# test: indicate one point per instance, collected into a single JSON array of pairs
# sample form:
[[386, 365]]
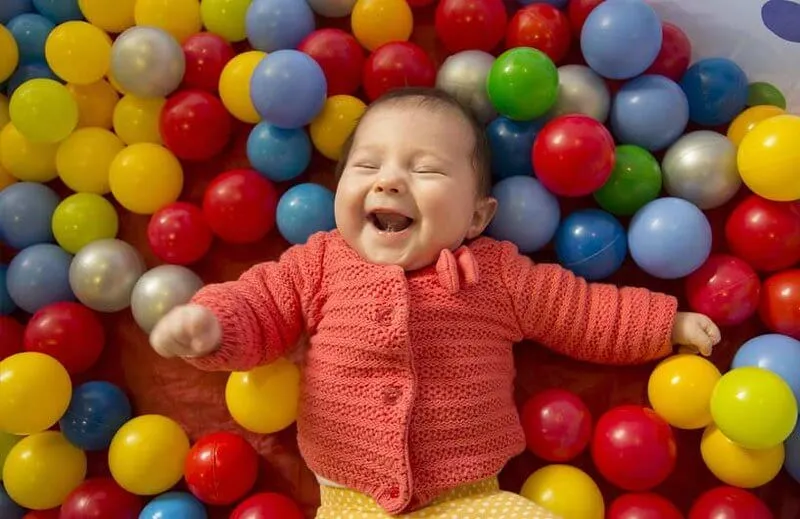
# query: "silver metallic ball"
[[581, 91], [103, 273], [160, 290], [701, 167], [332, 8], [463, 75], [147, 62]]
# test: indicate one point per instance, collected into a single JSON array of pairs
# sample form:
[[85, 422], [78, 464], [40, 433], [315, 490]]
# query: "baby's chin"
[[402, 257]]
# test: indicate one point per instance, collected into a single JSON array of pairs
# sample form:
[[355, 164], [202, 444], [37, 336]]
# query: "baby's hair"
[[434, 98]]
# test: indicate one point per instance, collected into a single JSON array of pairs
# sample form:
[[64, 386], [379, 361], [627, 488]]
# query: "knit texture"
[[407, 387]]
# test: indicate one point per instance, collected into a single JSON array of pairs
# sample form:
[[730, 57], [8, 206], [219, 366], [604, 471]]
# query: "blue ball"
[[174, 504], [621, 38], [774, 352], [11, 8], [7, 304], [26, 212], [669, 238], [39, 276], [716, 89], [792, 462], [35, 70], [96, 412], [650, 111], [278, 24], [527, 213], [303, 210], [30, 30], [59, 11], [511, 143], [279, 154], [8, 508], [288, 88], [591, 243]]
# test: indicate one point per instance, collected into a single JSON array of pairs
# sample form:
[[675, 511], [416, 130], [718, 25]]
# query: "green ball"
[[765, 94], [634, 181], [522, 84]]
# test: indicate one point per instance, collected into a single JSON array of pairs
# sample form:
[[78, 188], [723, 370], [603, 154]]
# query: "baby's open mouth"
[[390, 222]]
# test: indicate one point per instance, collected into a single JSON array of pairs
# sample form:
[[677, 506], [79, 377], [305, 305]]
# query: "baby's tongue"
[[392, 222]]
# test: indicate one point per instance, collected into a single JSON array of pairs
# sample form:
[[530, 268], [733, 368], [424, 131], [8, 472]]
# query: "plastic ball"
[[621, 39], [779, 307], [726, 502], [179, 18], [634, 181], [669, 238], [649, 111], [580, 91], [765, 155], [565, 490], [159, 290], [278, 24], [83, 218], [266, 505], [234, 85], [557, 425], [97, 498], [59, 11], [147, 61], [264, 399], [39, 276], [240, 206], [340, 56], [26, 209], [471, 24], [11, 8], [103, 273], [277, 153], [591, 243], [397, 64], [96, 412], [633, 448], [335, 123], [511, 143], [144, 177], [763, 93], [10, 53], [716, 89], [83, 159], [30, 32], [78, 52], [725, 288], [463, 75], [113, 18], [774, 352], [303, 210], [573, 155], [675, 55], [520, 200], [764, 233], [679, 390], [221, 468], [138, 120], [195, 125], [43, 110], [522, 84], [376, 22], [96, 102], [736, 465], [226, 18], [147, 454], [174, 504], [543, 27], [206, 55], [11, 331], [748, 120], [643, 505], [42, 469], [179, 234]]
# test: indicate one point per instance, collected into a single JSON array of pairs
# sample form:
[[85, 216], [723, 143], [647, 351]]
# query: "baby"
[[407, 403]]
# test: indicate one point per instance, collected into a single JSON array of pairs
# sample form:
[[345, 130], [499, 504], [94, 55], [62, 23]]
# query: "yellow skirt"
[[481, 500]]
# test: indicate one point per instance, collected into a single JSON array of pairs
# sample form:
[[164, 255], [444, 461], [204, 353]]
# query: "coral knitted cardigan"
[[408, 380]]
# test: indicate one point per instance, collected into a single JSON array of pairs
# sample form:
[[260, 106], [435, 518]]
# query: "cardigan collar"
[[455, 268]]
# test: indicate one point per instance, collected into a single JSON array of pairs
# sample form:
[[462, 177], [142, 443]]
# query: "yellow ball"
[[334, 124], [234, 85], [147, 454], [9, 53], [34, 392], [96, 104], [566, 491], [137, 120], [737, 466], [78, 52], [43, 110], [376, 22], [27, 160], [83, 218], [768, 157], [680, 389], [145, 177], [41, 470], [180, 18], [264, 400], [5, 117], [225, 18], [7, 441], [84, 159], [748, 120], [112, 17]]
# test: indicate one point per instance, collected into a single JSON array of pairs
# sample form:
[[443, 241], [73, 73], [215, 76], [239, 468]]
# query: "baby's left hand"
[[696, 332]]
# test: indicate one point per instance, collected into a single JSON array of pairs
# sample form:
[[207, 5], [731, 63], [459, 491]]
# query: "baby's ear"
[[484, 212]]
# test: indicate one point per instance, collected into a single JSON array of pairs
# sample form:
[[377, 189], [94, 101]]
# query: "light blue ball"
[[278, 24], [527, 213], [774, 352], [26, 213], [279, 154], [30, 31], [39, 276], [59, 11], [303, 210], [174, 505]]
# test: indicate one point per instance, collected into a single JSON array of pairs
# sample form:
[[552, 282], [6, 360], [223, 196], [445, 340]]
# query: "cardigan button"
[[390, 395], [381, 314]]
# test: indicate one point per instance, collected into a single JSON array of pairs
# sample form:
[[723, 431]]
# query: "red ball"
[[633, 448], [578, 11], [725, 288], [221, 468], [779, 307], [52, 513], [764, 233], [267, 505], [470, 24], [195, 125], [100, 498], [573, 155], [179, 234], [557, 425], [69, 332], [643, 506], [240, 206], [206, 55], [11, 336], [675, 54], [397, 64], [542, 27], [729, 503], [339, 55]]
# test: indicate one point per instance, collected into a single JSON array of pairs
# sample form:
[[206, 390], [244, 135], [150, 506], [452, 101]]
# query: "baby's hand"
[[695, 332], [186, 331]]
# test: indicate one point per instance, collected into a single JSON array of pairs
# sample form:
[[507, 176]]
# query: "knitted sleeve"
[[263, 313], [588, 321]]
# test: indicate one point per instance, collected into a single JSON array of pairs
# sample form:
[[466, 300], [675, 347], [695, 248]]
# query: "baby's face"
[[408, 189]]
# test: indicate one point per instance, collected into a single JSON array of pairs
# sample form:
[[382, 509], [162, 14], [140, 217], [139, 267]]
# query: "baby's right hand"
[[187, 331]]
